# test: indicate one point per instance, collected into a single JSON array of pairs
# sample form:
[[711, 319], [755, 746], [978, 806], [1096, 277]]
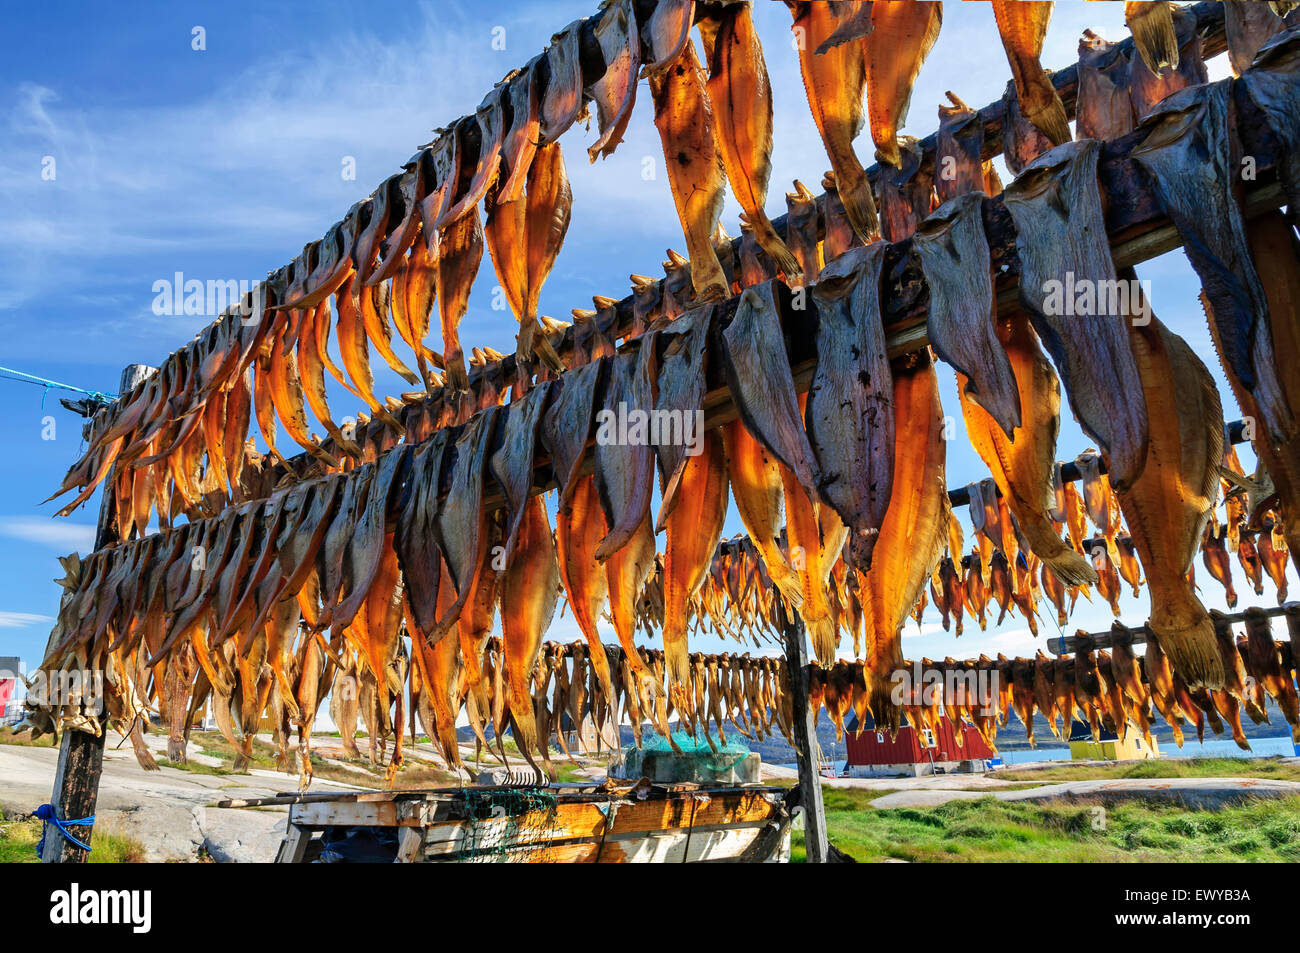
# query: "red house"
[[871, 753]]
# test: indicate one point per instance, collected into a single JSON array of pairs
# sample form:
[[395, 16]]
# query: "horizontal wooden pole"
[[1082, 641]]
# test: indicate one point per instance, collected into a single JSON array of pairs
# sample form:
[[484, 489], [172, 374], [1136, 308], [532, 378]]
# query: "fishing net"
[[510, 825], [727, 755]]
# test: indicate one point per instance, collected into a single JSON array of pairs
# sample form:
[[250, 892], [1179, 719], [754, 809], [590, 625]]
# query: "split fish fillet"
[[626, 572], [693, 528], [624, 463], [461, 523], [562, 99], [460, 250], [528, 594], [369, 541], [287, 396], [1215, 557], [959, 166], [758, 372], [682, 388], [1055, 590], [741, 95], [850, 412], [490, 119], [1248, 556], [755, 478], [1103, 110], [1248, 26], [1152, 26], [567, 428], [835, 81], [906, 192], [1061, 238], [665, 32], [437, 664], [1271, 86], [311, 366], [615, 91], [684, 118], [1023, 28], [415, 537], [1148, 86], [801, 229], [1022, 463], [954, 253], [355, 351], [912, 537], [521, 139], [524, 237], [512, 464], [815, 537], [1168, 506], [579, 528], [839, 234], [1187, 154], [1022, 142], [903, 33]]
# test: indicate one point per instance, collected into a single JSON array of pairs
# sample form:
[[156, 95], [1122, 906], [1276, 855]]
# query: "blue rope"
[[48, 384], [45, 813]]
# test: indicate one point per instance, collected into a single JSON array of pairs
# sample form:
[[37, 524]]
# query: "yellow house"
[[1109, 748]]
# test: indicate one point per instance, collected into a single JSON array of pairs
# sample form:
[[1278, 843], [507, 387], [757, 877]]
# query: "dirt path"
[[167, 811]]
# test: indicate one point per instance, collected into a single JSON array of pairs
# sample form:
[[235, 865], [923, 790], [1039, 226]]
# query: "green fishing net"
[[507, 824], [726, 756]]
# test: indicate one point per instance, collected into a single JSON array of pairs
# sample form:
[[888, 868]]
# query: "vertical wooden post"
[[805, 743], [81, 755]]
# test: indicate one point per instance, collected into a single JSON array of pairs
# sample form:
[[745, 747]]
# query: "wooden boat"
[[615, 822]]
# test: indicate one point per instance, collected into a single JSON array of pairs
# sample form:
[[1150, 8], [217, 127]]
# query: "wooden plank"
[[410, 842], [350, 814], [294, 846], [805, 744]]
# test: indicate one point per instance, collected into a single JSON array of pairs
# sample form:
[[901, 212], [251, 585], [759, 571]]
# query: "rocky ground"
[[171, 812]]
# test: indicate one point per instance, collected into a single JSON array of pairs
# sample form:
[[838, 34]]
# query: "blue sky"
[[222, 163]]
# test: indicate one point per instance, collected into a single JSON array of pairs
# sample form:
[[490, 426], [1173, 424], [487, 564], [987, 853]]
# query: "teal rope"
[[45, 814], [55, 385]]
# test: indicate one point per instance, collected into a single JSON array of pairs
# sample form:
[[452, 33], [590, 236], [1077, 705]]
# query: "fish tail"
[[1071, 568]]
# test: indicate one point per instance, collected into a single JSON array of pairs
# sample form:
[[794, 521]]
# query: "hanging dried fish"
[[1061, 242], [741, 95], [835, 81]]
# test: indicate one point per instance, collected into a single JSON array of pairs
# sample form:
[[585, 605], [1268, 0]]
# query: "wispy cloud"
[[20, 620], [56, 534]]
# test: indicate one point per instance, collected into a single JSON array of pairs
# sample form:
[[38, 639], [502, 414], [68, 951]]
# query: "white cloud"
[[56, 534], [20, 620]]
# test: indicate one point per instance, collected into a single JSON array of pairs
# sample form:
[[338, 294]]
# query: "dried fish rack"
[[635, 823], [1138, 232]]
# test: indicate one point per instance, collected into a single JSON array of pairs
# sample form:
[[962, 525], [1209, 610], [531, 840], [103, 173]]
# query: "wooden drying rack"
[[1137, 230]]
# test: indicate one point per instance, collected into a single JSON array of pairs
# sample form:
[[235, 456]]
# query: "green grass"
[[18, 841], [1271, 768], [10, 737], [1259, 830]]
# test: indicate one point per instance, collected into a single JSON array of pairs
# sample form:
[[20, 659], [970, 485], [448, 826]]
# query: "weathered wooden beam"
[[81, 755], [1234, 432], [1082, 641], [805, 743]]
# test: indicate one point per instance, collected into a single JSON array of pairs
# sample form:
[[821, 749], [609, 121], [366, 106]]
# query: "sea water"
[[1216, 748]]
